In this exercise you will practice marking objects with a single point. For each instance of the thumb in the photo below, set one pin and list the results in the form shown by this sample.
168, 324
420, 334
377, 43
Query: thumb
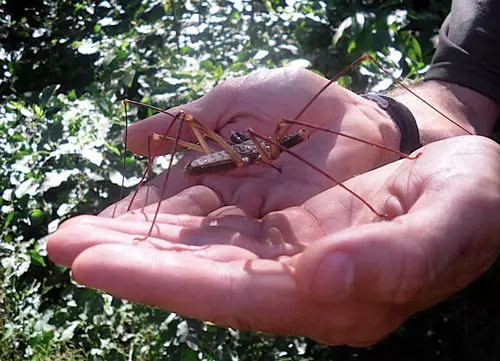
383, 262
372, 261
447, 239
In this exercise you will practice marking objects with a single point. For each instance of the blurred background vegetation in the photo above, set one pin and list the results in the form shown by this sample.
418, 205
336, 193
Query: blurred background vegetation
65, 65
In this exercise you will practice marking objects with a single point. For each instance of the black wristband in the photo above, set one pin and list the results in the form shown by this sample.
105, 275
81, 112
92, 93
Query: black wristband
404, 119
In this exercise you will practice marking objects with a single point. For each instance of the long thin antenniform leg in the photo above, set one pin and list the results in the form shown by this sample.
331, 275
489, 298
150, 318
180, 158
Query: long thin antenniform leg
162, 138
195, 126
165, 182
326, 86
402, 155
150, 159
175, 117
349, 68
332, 80
124, 166
159, 110
284, 149
369, 57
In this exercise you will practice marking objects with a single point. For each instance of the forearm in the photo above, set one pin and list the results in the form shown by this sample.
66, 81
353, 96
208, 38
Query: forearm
473, 111
464, 78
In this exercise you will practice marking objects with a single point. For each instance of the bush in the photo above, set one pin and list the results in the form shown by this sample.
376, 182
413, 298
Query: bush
64, 68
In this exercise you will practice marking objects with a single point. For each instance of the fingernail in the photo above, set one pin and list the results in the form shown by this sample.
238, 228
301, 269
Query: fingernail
333, 278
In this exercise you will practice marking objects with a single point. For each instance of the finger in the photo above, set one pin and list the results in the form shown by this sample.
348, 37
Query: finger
246, 294
420, 257
369, 262
70, 240
84, 232
210, 290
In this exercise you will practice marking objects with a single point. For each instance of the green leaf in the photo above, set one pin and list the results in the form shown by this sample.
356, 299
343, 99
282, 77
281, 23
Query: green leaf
218, 72
130, 161
351, 46
345, 81
47, 93
112, 148
207, 65
9, 219
36, 258
238, 67
364, 40
185, 50
38, 110
128, 77
243, 56
414, 47
236, 15
37, 214
189, 355
72, 94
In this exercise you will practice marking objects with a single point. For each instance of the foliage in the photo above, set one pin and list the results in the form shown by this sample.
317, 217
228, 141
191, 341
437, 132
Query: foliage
64, 66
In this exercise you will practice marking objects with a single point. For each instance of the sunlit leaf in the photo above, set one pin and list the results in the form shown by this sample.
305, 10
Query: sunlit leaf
69, 331
9, 219
238, 66
37, 214
36, 258
112, 148
207, 65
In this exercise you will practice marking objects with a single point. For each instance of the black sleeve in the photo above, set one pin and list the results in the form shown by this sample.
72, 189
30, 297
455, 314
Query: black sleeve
468, 52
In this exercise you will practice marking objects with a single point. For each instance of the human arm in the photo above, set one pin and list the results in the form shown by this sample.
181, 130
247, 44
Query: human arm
464, 77
242, 237
474, 111
289, 271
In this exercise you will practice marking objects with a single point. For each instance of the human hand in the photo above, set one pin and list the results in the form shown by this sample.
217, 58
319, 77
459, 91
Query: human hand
326, 268
260, 100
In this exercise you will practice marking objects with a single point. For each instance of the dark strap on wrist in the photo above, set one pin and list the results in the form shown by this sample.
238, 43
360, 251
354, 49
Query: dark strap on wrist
404, 119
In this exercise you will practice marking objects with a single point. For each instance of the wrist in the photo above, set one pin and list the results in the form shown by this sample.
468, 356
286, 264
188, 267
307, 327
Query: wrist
383, 124
403, 118
471, 110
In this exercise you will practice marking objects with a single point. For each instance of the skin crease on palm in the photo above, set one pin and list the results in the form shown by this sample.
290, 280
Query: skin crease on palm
286, 252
